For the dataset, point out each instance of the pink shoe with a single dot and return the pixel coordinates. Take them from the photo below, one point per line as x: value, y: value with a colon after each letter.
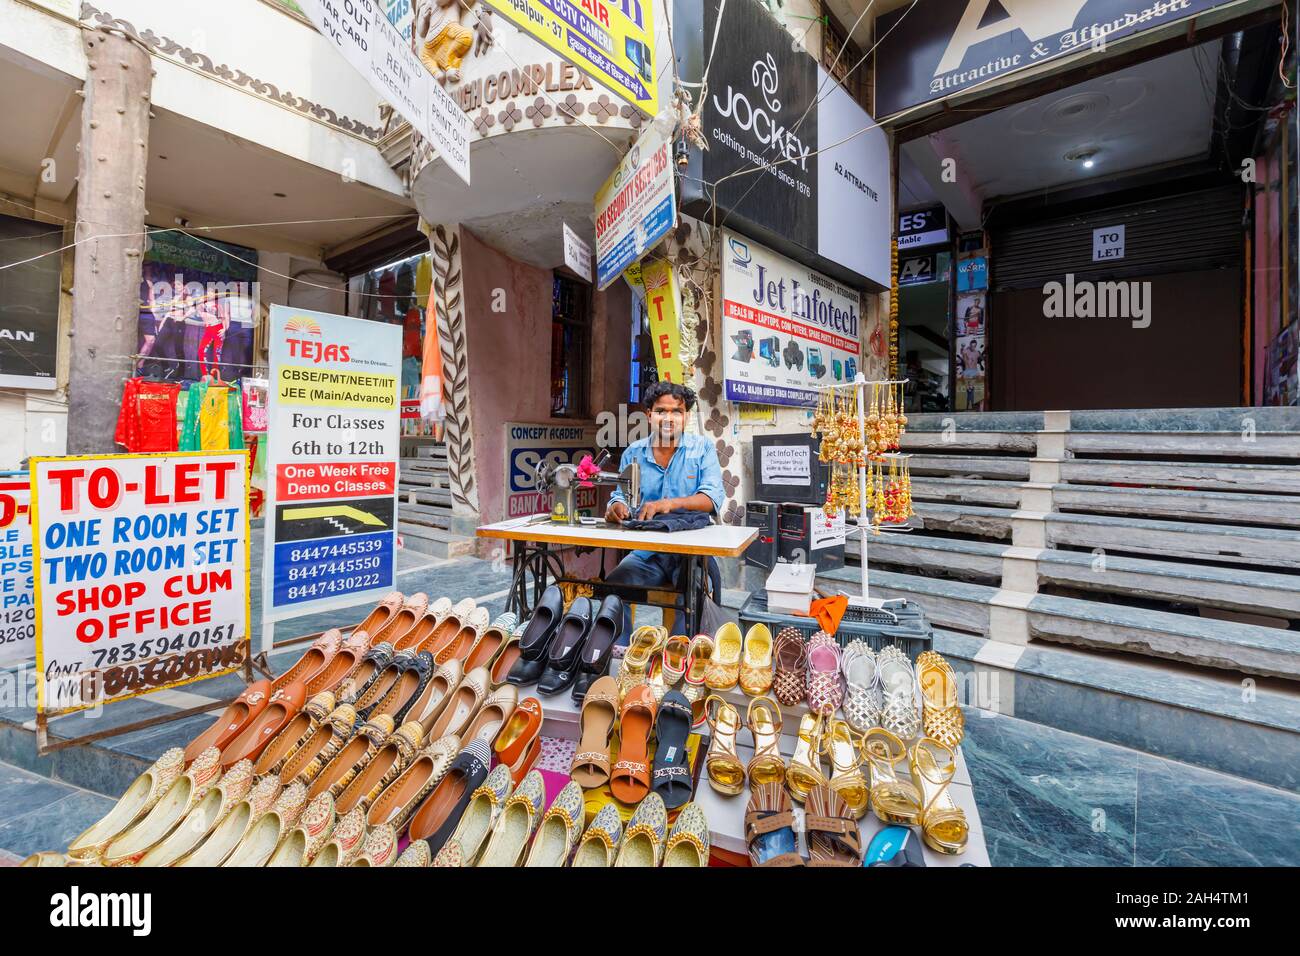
x: 825, y: 685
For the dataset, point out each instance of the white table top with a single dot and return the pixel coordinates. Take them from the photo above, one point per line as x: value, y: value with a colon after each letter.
x: 718, y: 540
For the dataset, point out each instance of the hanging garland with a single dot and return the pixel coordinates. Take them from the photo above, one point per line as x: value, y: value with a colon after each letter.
x: 893, y: 309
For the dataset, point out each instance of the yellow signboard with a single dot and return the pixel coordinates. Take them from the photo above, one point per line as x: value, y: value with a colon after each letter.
x: 612, y: 42
x: 663, y: 302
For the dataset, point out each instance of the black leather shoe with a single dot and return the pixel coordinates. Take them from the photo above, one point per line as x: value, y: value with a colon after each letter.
x: 567, y: 647
x: 536, y: 639
x: 599, y: 646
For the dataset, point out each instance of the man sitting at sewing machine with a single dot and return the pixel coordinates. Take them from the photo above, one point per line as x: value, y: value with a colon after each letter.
x: 679, y: 472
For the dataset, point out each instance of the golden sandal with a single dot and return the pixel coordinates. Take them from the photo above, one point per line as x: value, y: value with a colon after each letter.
x: 643, y: 645
x: 846, y: 779
x: 940, y: 714
x: 726, y: 772
x: 894, y: 799
x: 766, y: 766
x: 805, y: 770
x: 943, y: 824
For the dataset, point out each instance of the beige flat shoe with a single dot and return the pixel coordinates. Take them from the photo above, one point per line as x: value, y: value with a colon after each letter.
x: 145, y: 791
x: 181, y: 797
x: 464, y: 704
x: 429, y: 705
x: 380, y: 848
x: 494, y: 713
x: 226, y: 835
x: 485, y: 803
x: 264, y: 835
x: 404, y: 795
x: 215, y: 806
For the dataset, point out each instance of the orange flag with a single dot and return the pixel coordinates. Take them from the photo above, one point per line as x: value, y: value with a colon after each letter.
x: 431, y: 406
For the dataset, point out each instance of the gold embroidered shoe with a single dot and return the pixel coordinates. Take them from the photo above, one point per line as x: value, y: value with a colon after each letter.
x: 380, y: 848
x: 485, y: 805
x: 724, y: 667
x: 354, y: 756
x: 346, y: 844
x: 295, y: 734
x: 516, y: 824
x: 264, y: 835
x: 382, y: 769
x: 641, y: 649
x: 321, y: 746
x: 226, y: 835
x: 756, y: 662
x: 688, y: 844
x: 304, y: 841
x: 643, y: 840
x: 599, y: 844
x: 216, y: 805
x: 417, y: 854
x: 560, y: 828
x: 181, y: 798
x: 145, y: 791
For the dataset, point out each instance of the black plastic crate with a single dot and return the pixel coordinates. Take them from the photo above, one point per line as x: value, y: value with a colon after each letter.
x: 912, y: 632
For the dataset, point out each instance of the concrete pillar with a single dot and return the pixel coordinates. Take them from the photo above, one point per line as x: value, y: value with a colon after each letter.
x: 110, y: 225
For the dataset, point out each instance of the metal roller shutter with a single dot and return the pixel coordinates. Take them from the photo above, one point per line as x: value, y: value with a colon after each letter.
x: 1191, y: 232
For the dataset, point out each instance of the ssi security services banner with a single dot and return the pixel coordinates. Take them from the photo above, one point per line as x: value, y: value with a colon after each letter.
x: 331, y: 516
x: 17, y: 587
x: 787, y: 329
x: 141, y: 573
x: 612, y: 42
x: 635, y: 207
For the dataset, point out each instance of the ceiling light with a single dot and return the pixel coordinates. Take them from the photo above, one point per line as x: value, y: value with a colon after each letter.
x: 1087, y: 155
x: 1088, y: 163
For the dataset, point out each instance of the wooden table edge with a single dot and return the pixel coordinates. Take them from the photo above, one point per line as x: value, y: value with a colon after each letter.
x: 623, y: 544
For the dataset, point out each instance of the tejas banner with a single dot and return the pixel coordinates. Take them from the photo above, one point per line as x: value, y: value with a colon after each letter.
x: 663, y: 302
x: 334, y: 422
x: 29, y: 303
x: 943, y: 47
x: 798, y: 164
x: 141, y: 573
x: 635, y: 207
x: 17, y: 587
x: 786, y: 329
x: 613, y: 43
x: 363, y: 33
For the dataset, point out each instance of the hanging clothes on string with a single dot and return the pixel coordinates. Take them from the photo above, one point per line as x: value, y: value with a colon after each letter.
x: 147, y: 421
x: 213, y: 418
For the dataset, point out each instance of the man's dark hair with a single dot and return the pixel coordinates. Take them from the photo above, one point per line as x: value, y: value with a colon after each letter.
x: 659, y: 389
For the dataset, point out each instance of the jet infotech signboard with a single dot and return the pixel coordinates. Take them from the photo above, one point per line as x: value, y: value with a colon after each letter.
x: 798, y: 163
x: 940, y: 47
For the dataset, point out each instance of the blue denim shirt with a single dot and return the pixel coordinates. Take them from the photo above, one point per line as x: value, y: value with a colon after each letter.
x: 693, y: 468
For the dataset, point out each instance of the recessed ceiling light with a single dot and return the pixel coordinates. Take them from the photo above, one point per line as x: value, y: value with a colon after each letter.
x: 1088, y: 163
x: 1087, y: 155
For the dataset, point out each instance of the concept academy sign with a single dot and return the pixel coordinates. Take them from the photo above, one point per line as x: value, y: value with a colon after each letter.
x: 797, y: 163
x: 958, y: 44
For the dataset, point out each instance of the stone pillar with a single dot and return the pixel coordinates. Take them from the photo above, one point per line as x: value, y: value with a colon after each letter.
x: 110, y: 227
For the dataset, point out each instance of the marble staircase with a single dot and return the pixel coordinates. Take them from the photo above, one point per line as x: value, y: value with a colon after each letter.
x: 424, y: 515
x: 1129, y: 575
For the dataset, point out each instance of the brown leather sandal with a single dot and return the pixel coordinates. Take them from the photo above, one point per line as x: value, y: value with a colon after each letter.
x: 599, y: 712
x: 629, y: 778
x: 833, y: 836
x: 770, y: 811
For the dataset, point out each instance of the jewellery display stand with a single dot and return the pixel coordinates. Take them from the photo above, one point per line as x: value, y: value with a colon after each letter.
x: 865, y: 530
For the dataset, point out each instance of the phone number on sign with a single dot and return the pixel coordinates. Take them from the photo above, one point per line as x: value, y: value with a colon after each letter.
x: 323, y: 588
x: 330, y: 569
x: 12, y: 635
x: 125, y: 653
x: 334, y: 551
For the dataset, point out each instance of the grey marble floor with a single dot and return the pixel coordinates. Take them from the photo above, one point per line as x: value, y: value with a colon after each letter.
x: 37, y: 813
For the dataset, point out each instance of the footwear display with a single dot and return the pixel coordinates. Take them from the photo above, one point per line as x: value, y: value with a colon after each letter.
x: 317, y: 658
x: 495, y: 711
x: 763, y: 718
x: 485, y: 803
x: 259, y: 731
x: 840, y: 745
x: 336, y: 676
x: 832, y: 827
x: 373, y: 664
x: 723, y: 672
x: 506, y: 658
x: 140, y: 797
x: 215, y: 806
x: 313, y: 830
x: 629, y: 778
x: 352, y: 757
x: 437, y: 817
x: 380, y: 848
x: 895, y: 800
x: 899, y: 715
x: 559, y: 830
x: 596, y: 720
x: 642, y: 646
x: 231, y: 830
x: 564, y: 654
x: 790, y: 658
x: 519, y: 818
x: 940, y: 714
x: 519, y: 743
x: 295, y: 734
x: 321, y: 746
x: 346, y: 844
x: 236, y: 717
x: 693, y: 687
x: 458, y: 645
x: 401, y: 798
x: 385, y: 766
x: 943, y: 824
x: 186, y: 793
x: 675, y: 659
x: 412, y: 609
x: 805, y: 771
x: 414, y: 676
x: 722, y: 763
x: 688, y: 842
x: 606, y: 628
x: 382, y: 613
x: 340, y: 663
x: 377, y: 688
x: 599, y: 844
x: 769, y: 827
x: 260, y: 842
x: 491, y: 643
x: 428, y: 705
x: 825, y: 686
x: 862, y: 697
x: 536, y: 639
x: 671, y: 777
x: 756, y: 661
x: 643, y: 840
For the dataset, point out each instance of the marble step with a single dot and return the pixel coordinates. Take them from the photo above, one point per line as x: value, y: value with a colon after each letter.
x: 1233, y: 589
x: 1227, y: 444
x: 1242, y: 420
x: 1235, y: 726
x: 969, y: 466
x: 409, y: 494
x: 1023, y: 443
x: 429, y: 516
x: 1215, y: 506
x: 432, y: 541
x: 1227, y: 645
x: 1265, y: 548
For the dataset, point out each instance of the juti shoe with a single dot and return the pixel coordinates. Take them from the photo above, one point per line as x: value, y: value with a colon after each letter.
x: 140, y: 797
x: 181, y: 797
x: 215, y: 806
